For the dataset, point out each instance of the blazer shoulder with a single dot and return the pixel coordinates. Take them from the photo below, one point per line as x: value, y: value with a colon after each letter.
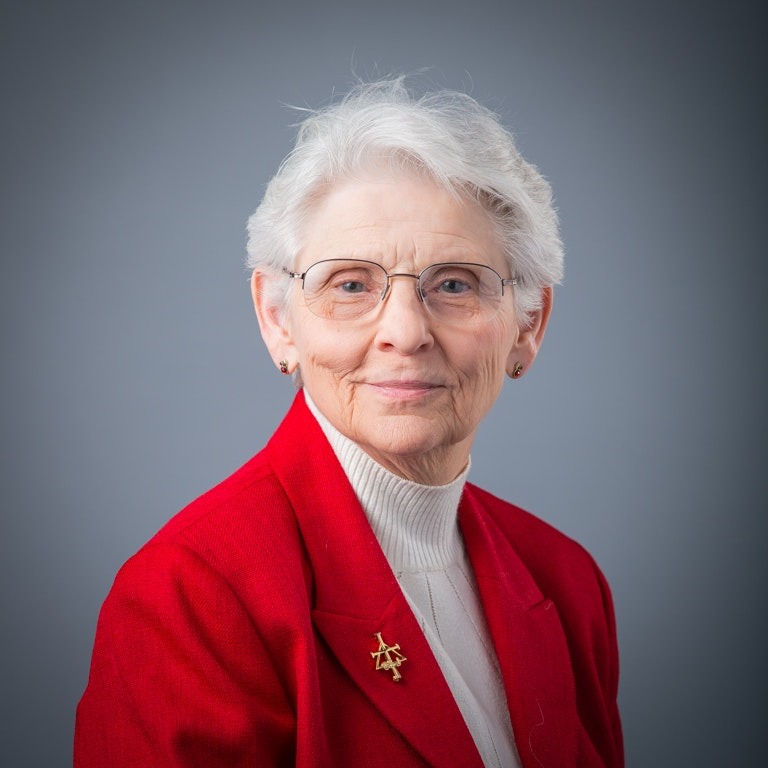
x: 523, y: 527
x: 245, y: 528
x: 558, y: 563
x: 243, y: 523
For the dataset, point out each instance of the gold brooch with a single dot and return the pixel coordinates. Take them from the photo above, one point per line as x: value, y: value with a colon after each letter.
x: 388, y: 657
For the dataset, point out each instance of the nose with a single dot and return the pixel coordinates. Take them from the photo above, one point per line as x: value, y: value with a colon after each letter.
x: 403, y: 324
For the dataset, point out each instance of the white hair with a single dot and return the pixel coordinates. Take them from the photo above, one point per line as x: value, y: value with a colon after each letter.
x: 444, y: 134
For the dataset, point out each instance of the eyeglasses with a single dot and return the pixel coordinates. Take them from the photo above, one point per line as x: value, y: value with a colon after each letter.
x: 348, y: 289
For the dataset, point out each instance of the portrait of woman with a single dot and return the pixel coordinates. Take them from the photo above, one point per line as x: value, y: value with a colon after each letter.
x: 349, y: 597
x: 450, y: 441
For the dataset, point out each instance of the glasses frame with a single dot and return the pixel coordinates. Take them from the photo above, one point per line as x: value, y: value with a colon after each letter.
x: 389, y: 275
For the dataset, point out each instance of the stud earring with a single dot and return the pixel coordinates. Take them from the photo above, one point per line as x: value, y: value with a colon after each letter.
x: 283, y: 366
x: 517, y: 370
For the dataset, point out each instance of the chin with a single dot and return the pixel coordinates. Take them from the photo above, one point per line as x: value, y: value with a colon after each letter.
x: 408, y: 436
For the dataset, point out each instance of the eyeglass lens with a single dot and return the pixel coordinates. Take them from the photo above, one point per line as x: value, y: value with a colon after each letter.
x: 341, y: 289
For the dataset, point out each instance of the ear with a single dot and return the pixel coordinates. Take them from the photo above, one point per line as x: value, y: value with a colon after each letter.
x: 530, y: 337
x: 273, y: 322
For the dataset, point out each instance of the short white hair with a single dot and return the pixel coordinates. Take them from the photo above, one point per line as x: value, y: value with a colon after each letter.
x: 444, y: 134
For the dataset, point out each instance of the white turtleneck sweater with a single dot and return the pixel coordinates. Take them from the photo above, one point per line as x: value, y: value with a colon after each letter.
x: 417, y: 528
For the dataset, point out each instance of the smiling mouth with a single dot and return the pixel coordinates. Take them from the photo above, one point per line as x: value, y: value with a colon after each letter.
x: 405, y: 390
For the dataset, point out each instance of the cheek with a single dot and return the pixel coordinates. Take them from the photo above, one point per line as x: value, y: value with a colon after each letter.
x: 328, y: 352
x: 478, y: 386
x: 481, y: 359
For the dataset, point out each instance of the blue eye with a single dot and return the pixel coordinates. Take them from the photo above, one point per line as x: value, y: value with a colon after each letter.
x: 453, y: 286
x: 451, y: 281
x: 352, y: 286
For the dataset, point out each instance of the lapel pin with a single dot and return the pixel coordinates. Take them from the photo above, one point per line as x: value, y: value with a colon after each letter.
x: 388, y: 657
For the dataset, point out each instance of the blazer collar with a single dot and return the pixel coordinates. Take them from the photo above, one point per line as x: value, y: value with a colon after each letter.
x: 529, y: 641
x: 356, y: 596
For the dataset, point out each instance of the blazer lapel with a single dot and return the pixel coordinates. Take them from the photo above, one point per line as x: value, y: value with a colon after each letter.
x: 529, y: 641
x: 357, y: 599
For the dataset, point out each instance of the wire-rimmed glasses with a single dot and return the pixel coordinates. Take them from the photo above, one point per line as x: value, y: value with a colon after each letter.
x: 453, y: 292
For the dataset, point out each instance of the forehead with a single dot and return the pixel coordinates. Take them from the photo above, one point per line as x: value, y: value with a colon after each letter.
x: 399, y: 219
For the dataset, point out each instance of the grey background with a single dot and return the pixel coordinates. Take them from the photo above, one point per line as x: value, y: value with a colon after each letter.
x: 136, y: 139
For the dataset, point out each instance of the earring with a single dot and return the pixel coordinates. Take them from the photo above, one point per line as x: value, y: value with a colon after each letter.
x: 283, y: 366
x: 517, y: 370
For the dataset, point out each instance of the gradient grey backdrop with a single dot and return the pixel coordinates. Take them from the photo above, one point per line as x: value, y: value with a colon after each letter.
x: 136, y: 139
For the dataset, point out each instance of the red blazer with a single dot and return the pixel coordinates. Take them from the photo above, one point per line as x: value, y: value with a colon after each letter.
x: 242, y: 634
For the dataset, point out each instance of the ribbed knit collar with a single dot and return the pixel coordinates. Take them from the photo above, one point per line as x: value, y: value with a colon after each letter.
x: 416, y: 525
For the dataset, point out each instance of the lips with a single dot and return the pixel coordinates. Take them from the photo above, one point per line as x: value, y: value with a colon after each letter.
x: 409, y: 390
x: 406, y: 385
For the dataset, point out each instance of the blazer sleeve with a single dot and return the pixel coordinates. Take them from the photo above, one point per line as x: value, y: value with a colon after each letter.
x: 180, y: 675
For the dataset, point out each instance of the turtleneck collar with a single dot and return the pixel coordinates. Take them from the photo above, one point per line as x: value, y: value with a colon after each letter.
x: 416, y: 525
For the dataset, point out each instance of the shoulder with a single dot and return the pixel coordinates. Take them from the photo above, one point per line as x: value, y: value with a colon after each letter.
x: 241, y: 535
x: 524, y: 529
x: 236, y: 505
x: 560, y: 565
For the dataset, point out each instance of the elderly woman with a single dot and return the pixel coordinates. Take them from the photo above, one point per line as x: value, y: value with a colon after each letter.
x: 347, y: 598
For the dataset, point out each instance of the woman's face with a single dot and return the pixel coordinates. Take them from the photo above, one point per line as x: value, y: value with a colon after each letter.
x: 409, y: 389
